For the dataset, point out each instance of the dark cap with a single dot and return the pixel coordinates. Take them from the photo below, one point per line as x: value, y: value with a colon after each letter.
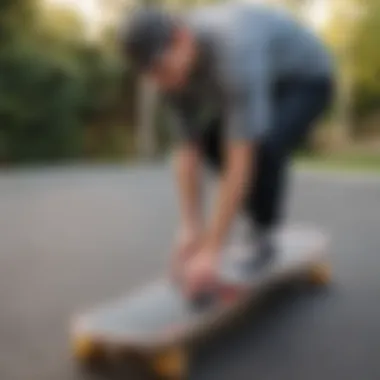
x: 145, y: 34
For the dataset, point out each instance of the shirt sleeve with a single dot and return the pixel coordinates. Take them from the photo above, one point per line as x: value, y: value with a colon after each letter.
x: 246, y: 79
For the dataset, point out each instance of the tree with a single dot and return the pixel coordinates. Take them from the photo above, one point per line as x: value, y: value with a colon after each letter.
x: 54, y: 83
x: 352, y: 33
x: 339, y: 34
x: 366, y: 61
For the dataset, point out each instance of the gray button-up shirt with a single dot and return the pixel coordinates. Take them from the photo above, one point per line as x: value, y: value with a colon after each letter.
x: 245, y: 50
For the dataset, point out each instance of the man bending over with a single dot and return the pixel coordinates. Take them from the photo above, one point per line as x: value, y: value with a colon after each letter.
x: 244, y: 85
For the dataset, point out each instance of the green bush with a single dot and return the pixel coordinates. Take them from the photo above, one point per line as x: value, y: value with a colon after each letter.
x: 51, y: 90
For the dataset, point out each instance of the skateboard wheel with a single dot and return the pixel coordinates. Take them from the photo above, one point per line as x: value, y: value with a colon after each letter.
x: 86, y: 351
x: 320, y: 274
x: 171, y: 364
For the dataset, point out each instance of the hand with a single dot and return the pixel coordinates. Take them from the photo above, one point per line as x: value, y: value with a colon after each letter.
x: 186, y: 244
x: 201, y: 272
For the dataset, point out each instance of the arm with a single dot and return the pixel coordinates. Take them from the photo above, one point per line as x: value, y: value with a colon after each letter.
x: 187, y: 173
x: 237, y: 175
x: 186, y: 162
x: 247, y: 118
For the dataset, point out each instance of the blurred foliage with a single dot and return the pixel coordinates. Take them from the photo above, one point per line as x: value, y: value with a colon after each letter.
x: 353, y: 34
x: 366, y: 61
x: 56, y: 88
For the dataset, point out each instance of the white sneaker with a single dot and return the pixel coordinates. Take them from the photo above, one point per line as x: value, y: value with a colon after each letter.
x: 260, y: 248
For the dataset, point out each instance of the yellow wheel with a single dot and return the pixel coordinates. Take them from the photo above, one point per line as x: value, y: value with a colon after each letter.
x: 171, y: 364
x: 320, y: 274
x: 86, y: 351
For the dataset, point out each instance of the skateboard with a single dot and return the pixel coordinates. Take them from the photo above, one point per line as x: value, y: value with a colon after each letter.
x: 158, y: 323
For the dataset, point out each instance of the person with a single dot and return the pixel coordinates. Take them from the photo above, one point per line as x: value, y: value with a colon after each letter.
x: 243, y: 84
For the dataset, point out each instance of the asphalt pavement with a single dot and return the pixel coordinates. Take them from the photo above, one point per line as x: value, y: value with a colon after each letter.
x: 72, y: 237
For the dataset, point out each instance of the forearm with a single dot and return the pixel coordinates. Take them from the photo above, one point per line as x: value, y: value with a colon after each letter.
x: 187, y: 171
x: 232, y: 189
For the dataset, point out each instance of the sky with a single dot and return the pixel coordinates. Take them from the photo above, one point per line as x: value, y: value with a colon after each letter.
x: 87, y: 8
x: 319, y: 12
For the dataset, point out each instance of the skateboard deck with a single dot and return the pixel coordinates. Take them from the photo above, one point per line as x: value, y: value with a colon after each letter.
x: 159, y: 317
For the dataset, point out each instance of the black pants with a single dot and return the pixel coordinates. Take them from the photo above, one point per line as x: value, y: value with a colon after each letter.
x: 297, y: 107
